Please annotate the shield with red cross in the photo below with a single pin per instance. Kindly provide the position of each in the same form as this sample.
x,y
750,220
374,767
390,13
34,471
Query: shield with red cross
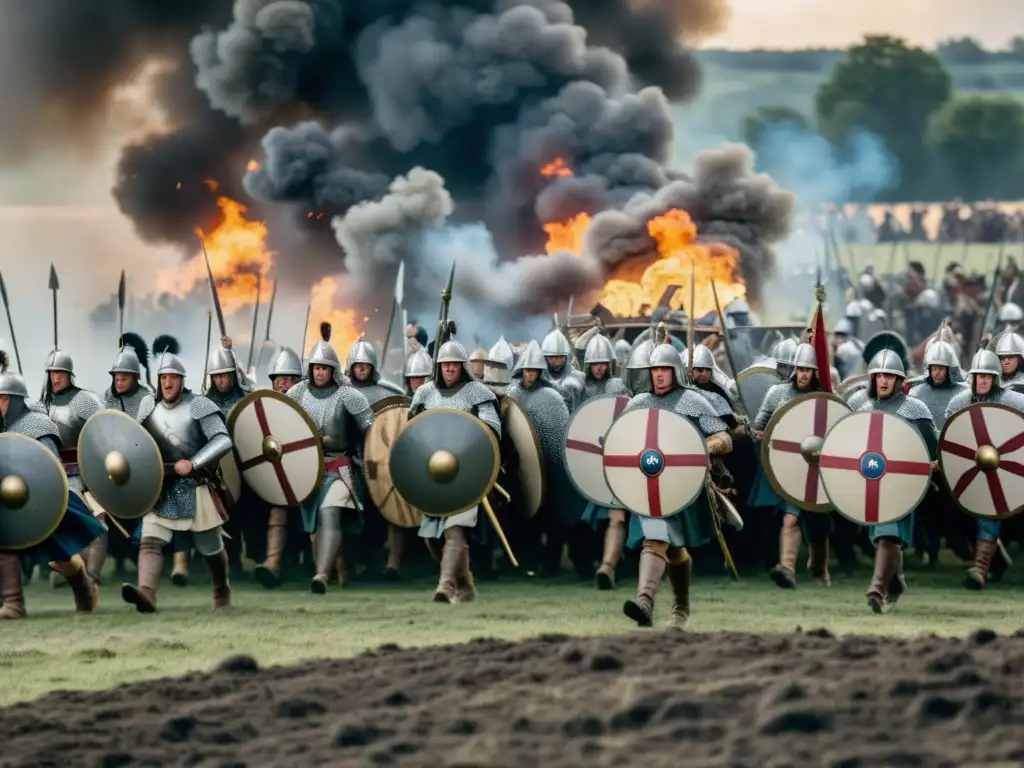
x,y
981,455
655,462
875,467
792,444
277,448
584,447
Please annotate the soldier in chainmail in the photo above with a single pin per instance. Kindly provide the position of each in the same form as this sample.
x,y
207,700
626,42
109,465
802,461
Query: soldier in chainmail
x,y
886,375
558,353
638,368
985,386
228,383
455,388
817,527
76,530
418,368
342,416
622,352
285,370
666,539
498,366
189,430
847,349
1010,350
69,407
362,369
477,361
601,367
702,376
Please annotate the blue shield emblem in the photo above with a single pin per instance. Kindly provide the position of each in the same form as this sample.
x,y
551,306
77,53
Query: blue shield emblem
x,y
652,462
872,465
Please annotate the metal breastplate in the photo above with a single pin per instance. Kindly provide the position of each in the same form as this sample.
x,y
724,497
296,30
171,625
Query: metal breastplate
x,y
176,433
69,410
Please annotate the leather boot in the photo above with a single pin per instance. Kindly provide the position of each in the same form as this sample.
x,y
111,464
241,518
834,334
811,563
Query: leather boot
x,y
614,540
1001,562
344,564
652,570
818,563
268,573
217,565
451,564
898,585
10,587
84,589
328,544
679,577
784,574
151,565
977,575
95,555
396,549
887,554
57,581
179,571
464,585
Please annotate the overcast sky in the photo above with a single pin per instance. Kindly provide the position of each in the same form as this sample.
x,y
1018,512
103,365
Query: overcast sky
x,y
837,23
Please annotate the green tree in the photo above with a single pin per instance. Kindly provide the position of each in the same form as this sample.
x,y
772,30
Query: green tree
x,y
961,50
1016,47
979,143
890,89
756,124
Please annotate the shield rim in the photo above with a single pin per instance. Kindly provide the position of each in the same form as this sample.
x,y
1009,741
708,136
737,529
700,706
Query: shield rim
x,y
565,458
924,490
942,471
846,385
766,465
273,394
67,490
750,371
536,446
707,463
389,403
494,445
122,414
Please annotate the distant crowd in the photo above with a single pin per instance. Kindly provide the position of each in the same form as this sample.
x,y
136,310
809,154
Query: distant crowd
x,y
957,222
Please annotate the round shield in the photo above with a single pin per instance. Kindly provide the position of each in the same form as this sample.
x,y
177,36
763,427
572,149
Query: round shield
x,y
792,444
981,455
655,461
445,461
390,415
754,383
231,476
584,447
277,448
33,492
532,477
120,464
875,467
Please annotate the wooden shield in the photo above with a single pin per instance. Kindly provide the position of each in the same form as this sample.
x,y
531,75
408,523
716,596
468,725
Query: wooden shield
x,y
532,477
33,492
753,384
981,455
390,415
584,447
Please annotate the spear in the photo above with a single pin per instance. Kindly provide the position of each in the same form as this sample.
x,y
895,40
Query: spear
x,y
209,332
270,310
120,309
255,317
396,307
54,287
691,323
213,291
268,347
10,323
305,328
442,320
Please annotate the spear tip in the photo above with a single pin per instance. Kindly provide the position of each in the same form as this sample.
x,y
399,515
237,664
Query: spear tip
x,y
54,282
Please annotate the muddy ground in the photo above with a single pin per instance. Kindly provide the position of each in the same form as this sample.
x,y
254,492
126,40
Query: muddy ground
x,y
650,698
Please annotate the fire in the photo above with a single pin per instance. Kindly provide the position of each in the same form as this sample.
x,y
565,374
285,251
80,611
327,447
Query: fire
x,y
252,166
567,236
557,167
637,285
345,328
238,252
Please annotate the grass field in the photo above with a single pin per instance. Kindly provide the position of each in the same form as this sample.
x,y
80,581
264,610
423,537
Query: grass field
x,y
55,650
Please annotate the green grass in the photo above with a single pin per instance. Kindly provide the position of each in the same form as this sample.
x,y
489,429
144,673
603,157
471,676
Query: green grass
x,y
55,650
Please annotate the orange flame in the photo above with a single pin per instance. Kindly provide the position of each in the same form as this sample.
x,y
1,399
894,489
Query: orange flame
x,y
345,328
567,236
211,184
237,251
557,167
252,166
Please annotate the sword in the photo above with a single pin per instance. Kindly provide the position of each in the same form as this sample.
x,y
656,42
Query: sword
x,y
255,317
54,287
213,291
10,323
120,309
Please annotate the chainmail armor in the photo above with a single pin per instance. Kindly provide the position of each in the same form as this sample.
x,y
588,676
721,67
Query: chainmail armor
x,y
686,402
966,397
776,397
321,402
937,399
22,419
69,410
131,403
909,409
550,418
374,391
609,385
225,401
470,396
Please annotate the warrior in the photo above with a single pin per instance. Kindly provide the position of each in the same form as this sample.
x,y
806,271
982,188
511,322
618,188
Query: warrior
x,y
601,366
418,368
498,366
783,353
126,392
69,407
1010,316
189,430
622,350
76,530
285,373
939,385
285,370
455,388
342,415
985,387
886,374
1010,351
364,373
638,368
702,374
665,539
558,352
477,361
848,349
228,382
802,380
